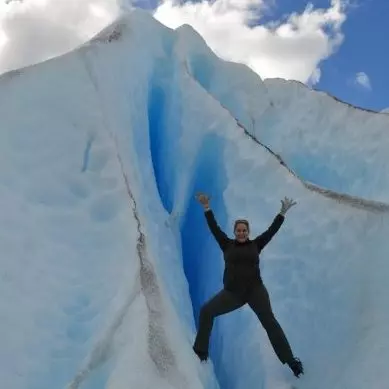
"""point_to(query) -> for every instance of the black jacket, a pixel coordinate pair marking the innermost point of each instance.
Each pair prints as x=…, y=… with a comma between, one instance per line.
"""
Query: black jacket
x=241, y=259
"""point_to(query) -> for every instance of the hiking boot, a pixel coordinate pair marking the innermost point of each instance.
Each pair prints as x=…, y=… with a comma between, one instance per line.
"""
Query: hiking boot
x=203, y=355
x=296, y=366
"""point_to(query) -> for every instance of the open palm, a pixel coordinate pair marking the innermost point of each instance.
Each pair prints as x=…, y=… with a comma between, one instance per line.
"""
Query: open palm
x=287, y=204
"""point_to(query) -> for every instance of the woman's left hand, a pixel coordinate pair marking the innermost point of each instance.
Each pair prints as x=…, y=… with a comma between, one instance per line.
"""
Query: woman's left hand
x=286, y=205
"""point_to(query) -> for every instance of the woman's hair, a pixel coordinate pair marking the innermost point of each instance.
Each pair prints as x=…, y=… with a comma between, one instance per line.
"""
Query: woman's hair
x=243, y=221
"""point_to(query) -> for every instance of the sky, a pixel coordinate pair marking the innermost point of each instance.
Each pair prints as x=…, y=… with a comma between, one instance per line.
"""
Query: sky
x=337, y=46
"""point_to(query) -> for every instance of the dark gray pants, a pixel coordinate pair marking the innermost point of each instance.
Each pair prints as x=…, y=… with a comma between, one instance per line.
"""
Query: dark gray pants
x=258, y=299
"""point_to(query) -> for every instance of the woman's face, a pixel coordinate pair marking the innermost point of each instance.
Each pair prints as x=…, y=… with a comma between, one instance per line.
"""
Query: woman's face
x=241, y=232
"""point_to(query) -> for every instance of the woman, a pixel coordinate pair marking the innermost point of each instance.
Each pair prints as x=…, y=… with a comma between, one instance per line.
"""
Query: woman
x=243, y=284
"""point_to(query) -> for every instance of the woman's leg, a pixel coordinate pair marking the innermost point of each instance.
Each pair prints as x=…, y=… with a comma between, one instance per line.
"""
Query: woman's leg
x=260, y=303
x=223, y=302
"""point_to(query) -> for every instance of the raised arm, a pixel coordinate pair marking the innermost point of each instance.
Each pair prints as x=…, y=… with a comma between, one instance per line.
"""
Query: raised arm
x=221, y=238
x=263, y=239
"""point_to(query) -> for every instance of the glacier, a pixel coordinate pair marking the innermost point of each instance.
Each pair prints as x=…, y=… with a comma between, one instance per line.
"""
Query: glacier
x=106, y=256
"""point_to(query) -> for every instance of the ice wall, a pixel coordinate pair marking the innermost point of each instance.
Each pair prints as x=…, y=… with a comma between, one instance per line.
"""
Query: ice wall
x=107, y=255
x=346, y=146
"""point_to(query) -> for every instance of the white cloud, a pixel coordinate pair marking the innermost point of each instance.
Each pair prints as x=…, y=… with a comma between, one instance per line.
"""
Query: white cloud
x=292, y=49
x=363, y=79
x=35, y=30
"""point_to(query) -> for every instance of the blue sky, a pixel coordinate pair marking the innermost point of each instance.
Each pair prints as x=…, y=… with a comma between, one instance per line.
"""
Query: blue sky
x=365, y=49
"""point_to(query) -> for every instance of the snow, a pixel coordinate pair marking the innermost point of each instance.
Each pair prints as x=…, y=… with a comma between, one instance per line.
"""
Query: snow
x=106, y=256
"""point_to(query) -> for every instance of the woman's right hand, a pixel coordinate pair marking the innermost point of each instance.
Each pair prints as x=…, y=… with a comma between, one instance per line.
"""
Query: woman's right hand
x=203, y=199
